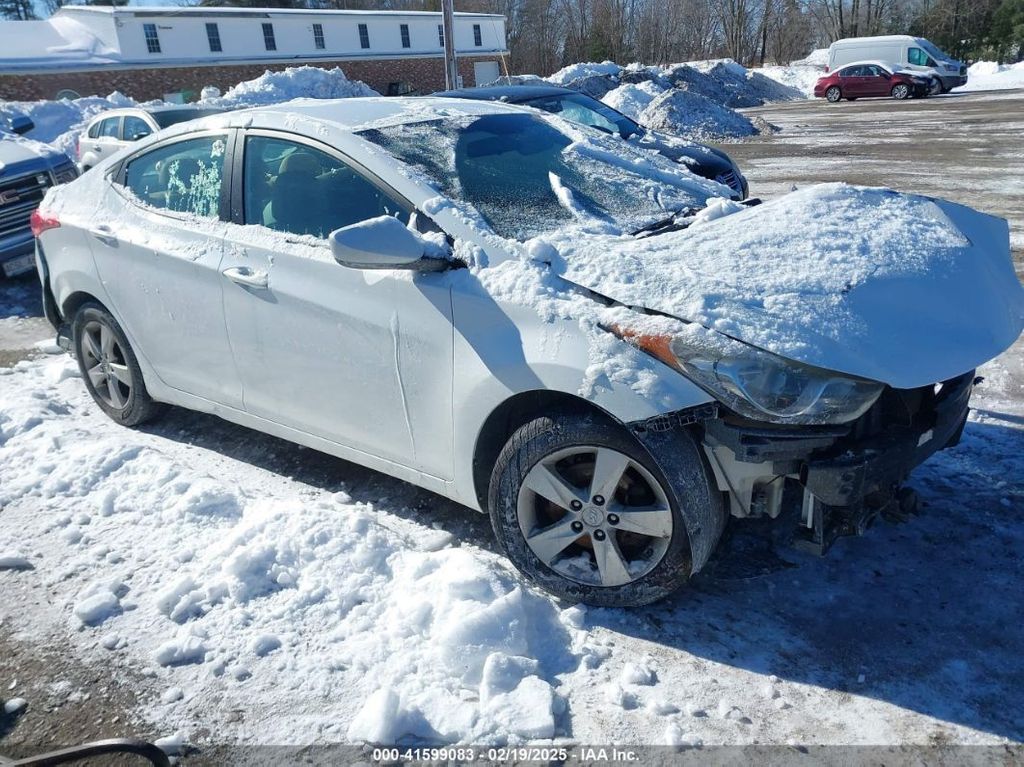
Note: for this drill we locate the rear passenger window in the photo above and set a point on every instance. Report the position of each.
(94, 129)
(295, 188)
(184, 177)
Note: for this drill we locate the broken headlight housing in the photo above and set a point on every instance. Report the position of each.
(760, 385)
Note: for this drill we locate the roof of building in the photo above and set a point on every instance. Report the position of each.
(142, 11)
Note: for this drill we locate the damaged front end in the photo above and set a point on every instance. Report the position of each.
(841, 477)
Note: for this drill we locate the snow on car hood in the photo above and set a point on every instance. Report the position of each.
(897, 288)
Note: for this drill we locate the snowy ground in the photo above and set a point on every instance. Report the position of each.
(198, 580)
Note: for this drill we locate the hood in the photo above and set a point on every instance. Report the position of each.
(17, 149)
(703, 160)
(896, 288)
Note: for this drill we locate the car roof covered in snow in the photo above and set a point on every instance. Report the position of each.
(514, 94)
(355, 114)
(888, 66)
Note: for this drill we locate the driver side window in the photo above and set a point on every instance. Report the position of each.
(919, 58)
(295, 188)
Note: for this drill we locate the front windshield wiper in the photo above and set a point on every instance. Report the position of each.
(678, 220)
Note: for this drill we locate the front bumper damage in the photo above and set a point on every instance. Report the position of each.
(840, 477)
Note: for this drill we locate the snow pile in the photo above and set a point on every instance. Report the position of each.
(801, 77)
(374, 625)
(573, 72)
(990, 76)
(633, 98)
(293, 83)
(686, 113)
(816, 58)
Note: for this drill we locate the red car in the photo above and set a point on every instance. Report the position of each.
(867, 79)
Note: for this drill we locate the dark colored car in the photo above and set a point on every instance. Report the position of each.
(27, 170)
(871, 79)
(580, 108)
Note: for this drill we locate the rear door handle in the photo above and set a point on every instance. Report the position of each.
(243, 275)
(104, 233)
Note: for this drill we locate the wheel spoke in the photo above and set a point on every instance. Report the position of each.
(96, 374)
(610, 562)
(114, 390)
(609, 466)
(107, 340)
(552, 540)
(121, 373)
(653, 521)
(546, 483)
(91, 346)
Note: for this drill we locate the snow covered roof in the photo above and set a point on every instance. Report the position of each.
(359, 113)
(173, 10)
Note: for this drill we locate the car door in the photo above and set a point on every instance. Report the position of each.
(362, 358)
(157, 239)
(875, 83)
(108, 138)
(849, 81)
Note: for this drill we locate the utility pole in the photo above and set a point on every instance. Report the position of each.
(451, 66)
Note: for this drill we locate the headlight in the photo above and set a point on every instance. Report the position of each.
(758, 384)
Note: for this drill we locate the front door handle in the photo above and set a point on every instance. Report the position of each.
(250, 278)
(104, 233)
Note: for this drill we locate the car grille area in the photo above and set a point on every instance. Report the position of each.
(731, 180)
(19, 196)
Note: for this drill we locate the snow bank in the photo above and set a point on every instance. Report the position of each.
(587, 69)
(374, 625)
(633, 98)
(990, 76)
(293, 83)
(689, 114)
(801, 77)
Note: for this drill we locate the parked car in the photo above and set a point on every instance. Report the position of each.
(574, 106)
(867, 79)
(27, 169)
(477, 299)
(117, 128)
(914, 54)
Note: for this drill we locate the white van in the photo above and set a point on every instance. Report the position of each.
(913, 53)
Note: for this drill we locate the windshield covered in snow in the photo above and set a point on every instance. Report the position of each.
(526, 177)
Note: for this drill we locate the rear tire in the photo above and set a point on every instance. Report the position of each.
(833, 94)
(613, 534)
(109, 367)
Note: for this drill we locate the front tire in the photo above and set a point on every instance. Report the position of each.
(579, 506)
(901, 92)
(936, 87)
(109, 367)
(833, 94)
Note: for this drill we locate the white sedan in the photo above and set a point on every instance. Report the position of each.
(582, 339)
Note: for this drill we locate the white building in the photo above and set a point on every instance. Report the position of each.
(148, 52)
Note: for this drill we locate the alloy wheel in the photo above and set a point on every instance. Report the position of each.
(105, 364)
(900, 92)
(833, 94)
(595, 516)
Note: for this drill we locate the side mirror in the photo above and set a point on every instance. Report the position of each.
(380, 243)
(21, 124)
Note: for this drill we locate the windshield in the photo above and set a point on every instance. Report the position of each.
(167, 117)
(584, 110)
(934, 52)
(526, 177)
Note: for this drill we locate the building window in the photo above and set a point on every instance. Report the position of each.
(268, 37)
(364, 36)
(152, 39)
(405, 36)
(318, 36)
(478, 38)
(440, 35)
(213, 35)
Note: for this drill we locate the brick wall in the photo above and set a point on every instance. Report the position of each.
(425, 75)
